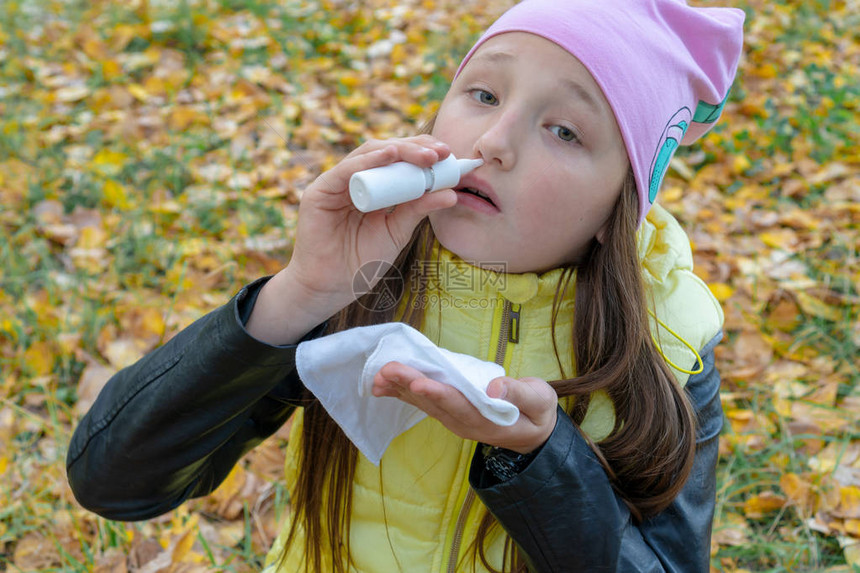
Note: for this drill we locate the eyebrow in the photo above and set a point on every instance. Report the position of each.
(583, 94)
(578, 89)
(494, 57)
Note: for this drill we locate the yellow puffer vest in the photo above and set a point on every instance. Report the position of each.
(429, 514)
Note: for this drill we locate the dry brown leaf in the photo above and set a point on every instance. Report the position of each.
(92, 380)
(811, 446)
(731, 529)
(783, 312)
(753, 349)
(143, 551)
(827, 496)
(111, 561)
(819, 409)
(123, 352)
(34, 552)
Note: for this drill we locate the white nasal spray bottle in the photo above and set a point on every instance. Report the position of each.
(400, 182)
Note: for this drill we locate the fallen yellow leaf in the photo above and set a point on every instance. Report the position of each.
(71, 94)
(721, 291)
(40, 358)
(91, 238)
(139, 92)
(817, 307)
(115, 195)
(183, 546)
(852, 554)
(740, 164)
(797, 489)
(108, 162)
(785, 239)
(849, 505)
(763, 503)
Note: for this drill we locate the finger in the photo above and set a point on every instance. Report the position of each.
(446, 402)
(423, 150)
(379, 154)
(424, 139)
(439, 149)
(414, 387)
(382, 386)
(399, 374)
(419, 392)
(336, 179)
(418, 153)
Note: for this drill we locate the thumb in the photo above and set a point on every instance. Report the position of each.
(533, 396)
(406, 216)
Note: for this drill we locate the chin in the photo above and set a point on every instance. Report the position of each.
(473, 253)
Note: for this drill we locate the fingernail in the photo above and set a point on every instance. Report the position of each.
(504, 391)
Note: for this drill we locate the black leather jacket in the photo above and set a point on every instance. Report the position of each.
(171, 426)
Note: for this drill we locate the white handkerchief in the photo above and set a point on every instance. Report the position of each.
(339, 370)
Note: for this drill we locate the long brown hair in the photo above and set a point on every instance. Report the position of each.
(647, 456)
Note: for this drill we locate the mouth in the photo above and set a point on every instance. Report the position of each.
(477, 193)
(481, 193)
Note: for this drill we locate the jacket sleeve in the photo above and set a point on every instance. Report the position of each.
(564, 515)
(172, 426)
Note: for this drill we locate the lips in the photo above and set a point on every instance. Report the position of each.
(473, 185)
(477, 193)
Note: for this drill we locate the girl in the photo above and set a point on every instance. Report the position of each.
(575, 108)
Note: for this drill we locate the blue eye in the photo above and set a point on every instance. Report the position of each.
(564, 133)
(485, 97)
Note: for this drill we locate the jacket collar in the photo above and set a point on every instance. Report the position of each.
(663, 247)
(455, 277)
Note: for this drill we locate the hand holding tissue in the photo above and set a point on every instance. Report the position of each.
(339, 370)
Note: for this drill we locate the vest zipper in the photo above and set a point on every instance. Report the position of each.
(509, 331)
(506, 330)
(458, 530)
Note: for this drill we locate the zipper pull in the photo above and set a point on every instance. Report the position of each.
(514, 334)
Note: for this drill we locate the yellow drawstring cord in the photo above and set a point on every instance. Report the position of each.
(687, 344)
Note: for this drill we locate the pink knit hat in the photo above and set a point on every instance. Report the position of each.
(664, 67)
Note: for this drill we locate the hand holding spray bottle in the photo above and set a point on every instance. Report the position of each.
(386, 186)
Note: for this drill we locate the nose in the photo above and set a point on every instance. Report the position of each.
(497, 144)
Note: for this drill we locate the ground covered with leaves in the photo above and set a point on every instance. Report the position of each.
(151, 157)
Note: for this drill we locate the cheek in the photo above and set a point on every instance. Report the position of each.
(443, 131)
(563, 212)
(446, 121)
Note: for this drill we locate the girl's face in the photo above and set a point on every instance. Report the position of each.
(554, 159)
